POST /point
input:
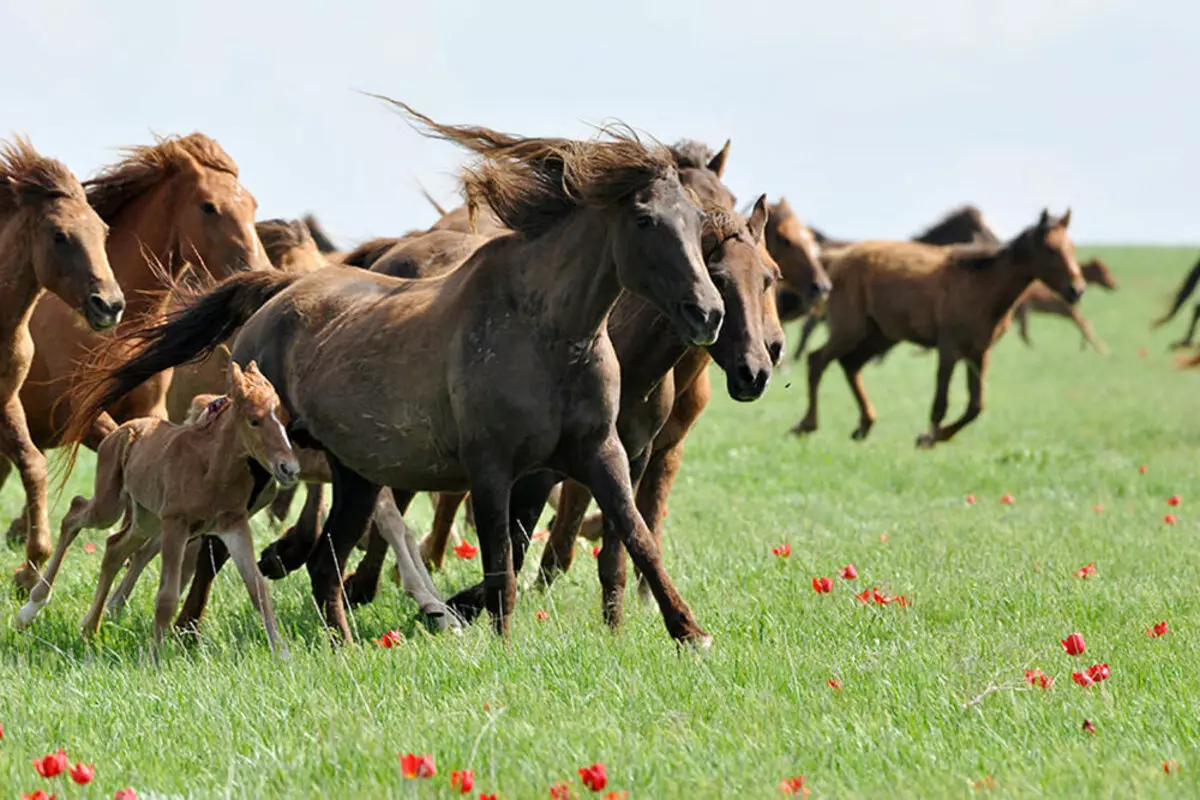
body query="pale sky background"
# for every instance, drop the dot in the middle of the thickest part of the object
(872, 116)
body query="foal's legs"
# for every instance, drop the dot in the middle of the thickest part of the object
(946, 363)
(211, 557)
(137, 565)
(289, 552)
(361, 586)
(413, 577)
(17, 446)
(433, 546)
(117, 548)
(852, 364)
(174, 543)
(976, 372)
(240, 543)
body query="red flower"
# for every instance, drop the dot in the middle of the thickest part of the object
(822, 585)
(89, 548)
(560, 791)
(970, 499)
(1082, 678)
(1088, 726)
(1006, 499)
(414, 766)
(1098, 672)
(1098, 508)
(595, 552)
(465, 550)
(83, 773)
(39, 795)
(782, 551)
(794, 786)
(901, 601)
(883, 537)
(621, 795)
(542, 534)
(1142, 469)
(1170, 765)
(390, 639)
(986, 782)
(464, 780)
(834, 684)
(541, 615)
(51, 765)
(1, 730)
(1074, 644)
(594, 777)
(1174, 500)
(1035, 677)
(1159, 629)
(125, 794)
(492, 796)
(849, 572)
(1086, 571)
(1169, 519)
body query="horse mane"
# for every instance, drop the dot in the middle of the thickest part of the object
(721, 224)
(281, 235)
(144, 166)
(954, 227)
(691, 154)
(530, 184)
(27, 177)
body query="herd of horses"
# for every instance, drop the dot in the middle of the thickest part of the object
(546, 342)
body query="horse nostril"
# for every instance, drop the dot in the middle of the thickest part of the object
(745, 375)
(775, 351)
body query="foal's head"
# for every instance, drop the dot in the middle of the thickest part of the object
(1097, 272)
(795, 249)
(744, 350)
(260, 427)
(64, 236)
(290, 246)
(1048, 253)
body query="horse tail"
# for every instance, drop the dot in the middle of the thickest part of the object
(1185, 291)
(324, 243)
(190, 332)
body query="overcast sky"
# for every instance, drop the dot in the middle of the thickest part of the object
(872, 117)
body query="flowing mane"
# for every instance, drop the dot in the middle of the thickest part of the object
(532, 183)
(144, 166)
(27, 177)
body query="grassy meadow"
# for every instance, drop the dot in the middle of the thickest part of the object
(933, 696)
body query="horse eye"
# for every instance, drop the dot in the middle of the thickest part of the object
(208, 208)
(253, 423)
(644, 221)
(60, 237)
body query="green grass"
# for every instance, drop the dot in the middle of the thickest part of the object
(992, 588)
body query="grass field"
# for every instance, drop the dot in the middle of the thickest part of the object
(933, 696)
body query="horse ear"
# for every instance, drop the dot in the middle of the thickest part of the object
(758, 218)
(717, 164)
(1066, 219)
(236, 378)
(252, 368)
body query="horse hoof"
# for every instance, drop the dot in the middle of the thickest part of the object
(28, 612)
(860, 434)
(803, 428)
(358, 593)
(17, 532)
(926, 441)
(699, 641)
(279, 559)
(467, 604)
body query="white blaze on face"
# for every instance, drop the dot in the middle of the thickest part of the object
(282, 430)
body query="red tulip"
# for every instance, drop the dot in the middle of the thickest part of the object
(1006, 500)
(560, 791)
(1074, 644)
(125, 794)
(83, 773)
(465, 550)
(39, 795)
(1169, 519)
(1, 730)
(390, 639)
(1035, 677)
(541, 615)
(822, 585)
(492, 796)
(51, 765)
(1098, 672)
(464, 780)
(1170, 765)
(1088, 726)
(834, 684)
(849, 572)
(970, 499)
(782, 551)
(414, 766)
(1082, 678)
(1174, 500)
(594, 777)
(1159, 629)
(1086, 571)
(89, 548)
(595, 552)
(794, 786)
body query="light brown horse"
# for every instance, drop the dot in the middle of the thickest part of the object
(472, 379)
(180, 482)
(958, 300)
(50, 239)
(169, 205)
(1041, 298)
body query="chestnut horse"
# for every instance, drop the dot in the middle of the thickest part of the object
(469, 380)
(958, 300)
(50, 239)
(175, 203)
(1041, 298)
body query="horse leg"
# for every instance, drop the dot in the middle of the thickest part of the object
(560, 546)
(17, 446)
(818, 360)
(607, 473)
(353, 501)
(976, 373)
(240, 544)
(946, 363)
(433, 546)
(414, 579)
(1187, 340)
(174, 543)
(1089, 335)
(1021, 317)
(141, 559)
(811, 321)
(491, 487)
(210, 557)
(652, 492)
(282, 504)
(289, 552)
(852, 364)
(118, 547)
(362, 585)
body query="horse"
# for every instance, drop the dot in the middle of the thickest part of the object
(1042, 298)
(168, 205)
(50, 240)
(179, 482)
(506, 363)
(958, 300)
(1185, 291)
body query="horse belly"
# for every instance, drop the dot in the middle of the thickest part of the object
(904, 309)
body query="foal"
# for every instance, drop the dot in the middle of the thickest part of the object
(958, 300)
(183, 481)
(1040, 297)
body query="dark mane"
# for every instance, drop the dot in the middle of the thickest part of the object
(144, 166)
(980, 255)
(281, 235)
(530, 184)
(26, 177)
(963, 225)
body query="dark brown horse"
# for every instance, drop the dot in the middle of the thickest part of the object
(1188, 286)
(472, 379)
(1041, 298)
(50, 240)
(958, 300)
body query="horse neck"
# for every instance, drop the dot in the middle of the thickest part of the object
(646, 343)
(1006, 282)
(227, 452)
(144, 229)
(19, 287)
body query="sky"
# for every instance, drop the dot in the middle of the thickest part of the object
(873, 117)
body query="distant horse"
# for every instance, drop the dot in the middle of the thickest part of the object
(958, 300)
(171, 205)
(1041, 298)
(1185, 291)
(472, 379)
(50, 239)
